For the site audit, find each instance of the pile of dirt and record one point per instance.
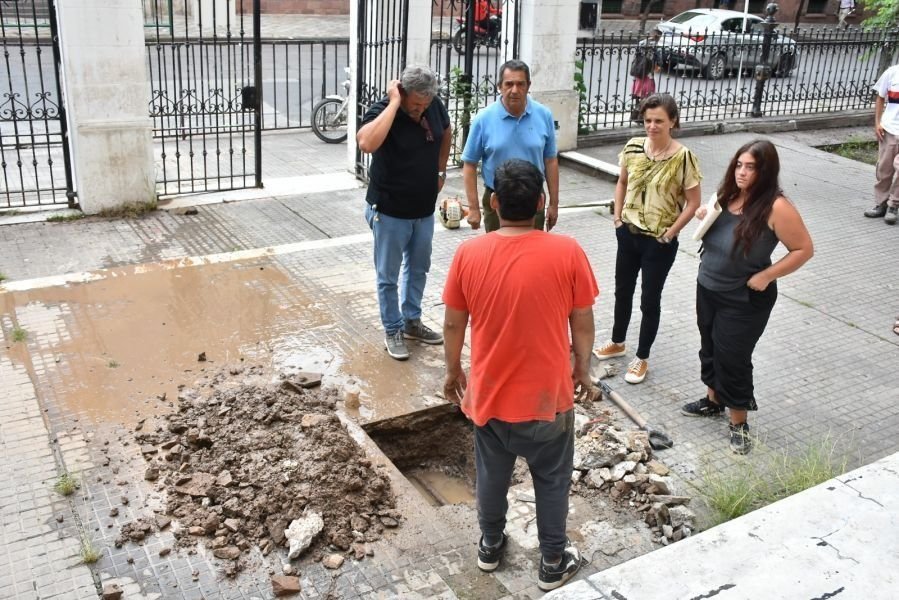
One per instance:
(239, 461)
(620, 464)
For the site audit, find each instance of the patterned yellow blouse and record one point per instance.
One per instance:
(655, 188)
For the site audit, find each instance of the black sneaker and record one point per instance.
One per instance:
(702, 408)
(740, 440)
(877, 211)
(489, 556)
(891, 216)
(555, 576)
(416, 330)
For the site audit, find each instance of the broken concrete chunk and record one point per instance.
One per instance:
(285, 585)
(622, 469)
(681, 515)
(657, 468)
(232, 524)
(112, 591)
(302, 531)
(332, 561)
(224, 479)
(313, 420)
(162, 521)
(389, 522)
(669, 500)
(199, 484)
(227, 553)
(151, 474)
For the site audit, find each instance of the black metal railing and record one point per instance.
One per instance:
(381, 57)
(713, 75)
(34, 156)
(205, 101)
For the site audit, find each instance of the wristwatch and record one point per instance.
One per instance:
(442, 175)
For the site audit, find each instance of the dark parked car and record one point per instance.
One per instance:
(721, 41)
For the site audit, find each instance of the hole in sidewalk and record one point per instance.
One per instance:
(434, 450)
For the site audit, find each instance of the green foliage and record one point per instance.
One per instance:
(112, 364)
(66, 484)
(583, 102)
(2, 276)
(858, 149)
(767, 476)
(89, 553)
(19, 334)
(129, 210)
(884, 14)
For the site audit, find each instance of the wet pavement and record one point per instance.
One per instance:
(117, 311)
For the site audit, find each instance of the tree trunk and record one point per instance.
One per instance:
(644, 16)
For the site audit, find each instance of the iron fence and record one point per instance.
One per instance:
(713, 75)
(204, 100)
(34, 153)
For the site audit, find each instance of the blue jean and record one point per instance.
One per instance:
(548, 447)
(406, 243)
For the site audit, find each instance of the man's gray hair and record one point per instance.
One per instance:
(419, 80)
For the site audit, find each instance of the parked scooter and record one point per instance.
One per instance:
(488, 35)
(329, 116)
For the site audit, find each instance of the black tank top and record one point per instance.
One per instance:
(721, 269)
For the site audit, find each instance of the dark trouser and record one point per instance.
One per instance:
(638, 253)
(491, 218)
(730, 325)
(548, 448)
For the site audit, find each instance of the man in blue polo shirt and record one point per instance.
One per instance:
(514, 127)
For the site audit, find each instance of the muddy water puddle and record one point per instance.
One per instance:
(119, 347)
(440, 489)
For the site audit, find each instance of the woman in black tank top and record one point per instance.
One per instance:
(737, 283)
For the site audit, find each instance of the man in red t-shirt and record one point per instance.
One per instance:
(522, 289)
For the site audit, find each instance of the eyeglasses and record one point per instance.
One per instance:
(429, 135)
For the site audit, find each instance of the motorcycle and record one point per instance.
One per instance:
(329, 116)
(488, 36)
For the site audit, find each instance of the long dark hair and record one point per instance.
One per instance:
(760, 196)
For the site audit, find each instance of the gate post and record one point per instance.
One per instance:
(105, 85)
(547, 41)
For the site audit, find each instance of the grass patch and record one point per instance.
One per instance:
(112, 364)
(129, 210)
(768, 476)
(2, 276)
(858, 149)
(65, 218)
(66, 484)
(19, 334)
(10, 213)
(89, 552)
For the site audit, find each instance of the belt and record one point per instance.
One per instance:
(636, 230)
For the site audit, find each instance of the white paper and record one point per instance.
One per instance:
(713, 209)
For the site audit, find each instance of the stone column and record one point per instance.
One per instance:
(418, 41)
(547, 44)
(107, 88)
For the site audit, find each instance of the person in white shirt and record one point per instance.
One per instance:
(886, 128)
(846, 8)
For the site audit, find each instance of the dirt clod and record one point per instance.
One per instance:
(285, 585)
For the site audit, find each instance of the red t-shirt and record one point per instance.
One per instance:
(519, 292)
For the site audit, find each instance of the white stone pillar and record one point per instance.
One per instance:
(547, 44)
(107, 88)
(353, 107)
(418, 40)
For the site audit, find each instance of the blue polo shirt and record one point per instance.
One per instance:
(496, 136)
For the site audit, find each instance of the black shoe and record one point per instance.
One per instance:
(555, 576)
(489, 556)
(702, 408)
(877, 211)
(740, 440)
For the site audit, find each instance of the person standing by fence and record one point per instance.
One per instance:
(656, 196)
(408, 134)
(886, 128)
(642, 69)
(847, 7)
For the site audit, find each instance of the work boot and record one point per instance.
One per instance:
(396, 345)
(891, 216)
(877, 211)
(609, 350)
(416, 330)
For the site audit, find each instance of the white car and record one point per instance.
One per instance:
(720, 41)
